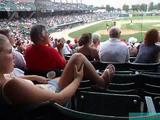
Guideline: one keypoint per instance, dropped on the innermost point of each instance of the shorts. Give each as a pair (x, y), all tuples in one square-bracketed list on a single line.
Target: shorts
[(53, 86)]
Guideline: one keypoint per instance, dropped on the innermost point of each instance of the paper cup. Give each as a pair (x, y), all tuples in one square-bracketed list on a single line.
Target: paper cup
[(51, 74)]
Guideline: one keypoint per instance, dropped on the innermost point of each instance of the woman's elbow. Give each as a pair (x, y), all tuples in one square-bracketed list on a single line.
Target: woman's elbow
[(61, 99)]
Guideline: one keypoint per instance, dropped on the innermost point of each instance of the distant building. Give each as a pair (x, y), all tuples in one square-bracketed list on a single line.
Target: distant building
[(43, 5)]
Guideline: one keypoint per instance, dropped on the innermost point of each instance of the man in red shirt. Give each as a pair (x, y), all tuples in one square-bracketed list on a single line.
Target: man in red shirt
[(41, 56)]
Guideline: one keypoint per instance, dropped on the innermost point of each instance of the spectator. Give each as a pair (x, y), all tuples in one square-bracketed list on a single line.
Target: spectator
[(96, 38), (54, 43), (75, 45), (69, 43), (132, 48), (114, 50), (19, 59), (66, 48), (14, 90), (41, 56), (149, 51), (85, 48)]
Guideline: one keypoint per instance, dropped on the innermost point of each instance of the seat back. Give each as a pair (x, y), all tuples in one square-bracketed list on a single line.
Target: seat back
[(123, 88), (151, 85), (100, 65), (125, 78), (122, 84), (85, 85), (157, 104), (77, 115), (143, 67), (107, 104)]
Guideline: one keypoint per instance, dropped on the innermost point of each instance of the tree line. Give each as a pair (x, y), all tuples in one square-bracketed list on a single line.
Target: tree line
[(138, 7)]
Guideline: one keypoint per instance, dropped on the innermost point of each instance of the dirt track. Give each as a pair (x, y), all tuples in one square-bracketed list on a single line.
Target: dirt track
[(65, 33)]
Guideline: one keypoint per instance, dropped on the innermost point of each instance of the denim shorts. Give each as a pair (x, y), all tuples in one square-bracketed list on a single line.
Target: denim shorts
[(53, 86)]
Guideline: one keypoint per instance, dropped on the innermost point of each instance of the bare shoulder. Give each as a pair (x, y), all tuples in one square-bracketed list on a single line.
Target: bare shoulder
[(16, 86), (19, 91)]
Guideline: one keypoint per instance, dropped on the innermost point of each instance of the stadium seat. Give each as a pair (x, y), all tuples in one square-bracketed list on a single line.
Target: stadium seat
[(125, 78), (85, 85), (157, 104), (152, 73), (151, 84), (77, 115), (37, 111), (108, 104), (151, 90), (102, 65), (124, 84), (144, 67), (123, 88)]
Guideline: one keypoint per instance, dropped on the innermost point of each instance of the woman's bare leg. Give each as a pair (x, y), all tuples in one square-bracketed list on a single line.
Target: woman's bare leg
[(89, 71)]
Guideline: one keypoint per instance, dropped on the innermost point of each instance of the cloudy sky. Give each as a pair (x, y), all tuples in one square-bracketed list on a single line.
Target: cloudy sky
[(115, 3)]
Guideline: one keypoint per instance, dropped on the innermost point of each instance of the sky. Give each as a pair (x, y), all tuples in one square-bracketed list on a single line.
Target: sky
[(114, 3)]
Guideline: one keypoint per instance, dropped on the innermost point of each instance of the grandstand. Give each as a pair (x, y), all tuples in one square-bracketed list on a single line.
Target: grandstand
[(134, 90)]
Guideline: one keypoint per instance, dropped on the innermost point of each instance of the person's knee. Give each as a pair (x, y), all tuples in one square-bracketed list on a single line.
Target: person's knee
[(77, 57)]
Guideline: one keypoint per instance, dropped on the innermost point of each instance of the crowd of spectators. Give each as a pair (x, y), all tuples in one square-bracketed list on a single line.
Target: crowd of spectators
[(21, 28)]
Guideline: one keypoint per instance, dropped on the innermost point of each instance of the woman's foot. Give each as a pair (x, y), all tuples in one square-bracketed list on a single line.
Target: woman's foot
[(108, 73)]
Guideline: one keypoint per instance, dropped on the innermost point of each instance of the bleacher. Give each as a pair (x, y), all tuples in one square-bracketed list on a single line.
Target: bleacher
[(132, 94)]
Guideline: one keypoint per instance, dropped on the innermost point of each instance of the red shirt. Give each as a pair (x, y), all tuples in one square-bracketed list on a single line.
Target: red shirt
[(43, 58)]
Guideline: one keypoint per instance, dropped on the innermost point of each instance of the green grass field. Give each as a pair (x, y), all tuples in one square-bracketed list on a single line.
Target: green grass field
[(140, 24)]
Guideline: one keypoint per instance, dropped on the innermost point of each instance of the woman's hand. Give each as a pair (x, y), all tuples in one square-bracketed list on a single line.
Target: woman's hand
[(41, 79), (78, 74)]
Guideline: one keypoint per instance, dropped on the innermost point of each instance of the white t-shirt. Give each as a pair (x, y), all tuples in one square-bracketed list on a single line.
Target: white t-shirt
[(67, 49)]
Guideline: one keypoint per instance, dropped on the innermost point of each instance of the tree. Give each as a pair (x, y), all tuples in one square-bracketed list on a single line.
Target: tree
[(112, 9), (158, 6), (143, 7), (135, 7), (119, 10), (125, 8), (108, 8), (151, 7)]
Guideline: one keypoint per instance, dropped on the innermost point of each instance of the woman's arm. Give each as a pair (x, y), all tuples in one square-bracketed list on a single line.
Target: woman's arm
[(37, 78), (20, 92)]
